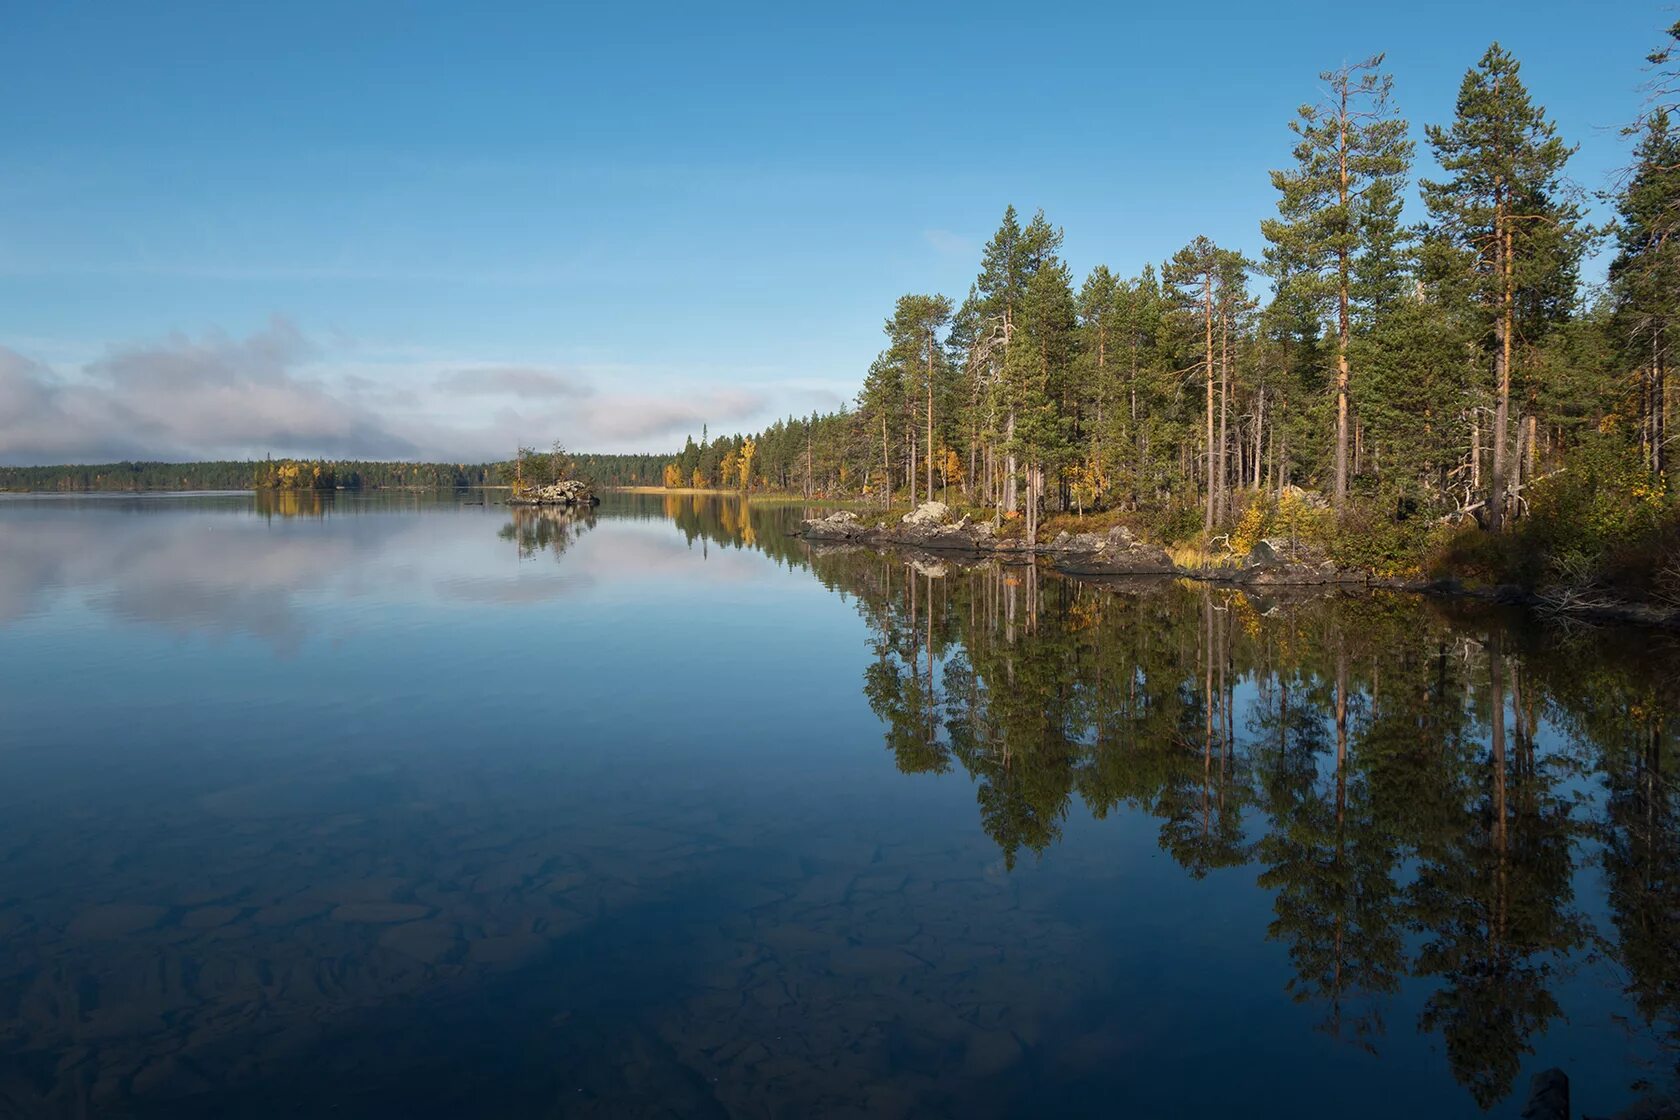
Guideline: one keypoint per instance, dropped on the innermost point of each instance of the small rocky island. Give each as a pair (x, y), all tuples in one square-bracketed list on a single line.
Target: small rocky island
[(567, 492)]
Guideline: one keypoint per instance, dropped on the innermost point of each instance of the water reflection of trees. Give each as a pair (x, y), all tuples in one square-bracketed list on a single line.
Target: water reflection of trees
[(1415, 791), (535, 529), (725, 521), (315, 504), (1416, 788)]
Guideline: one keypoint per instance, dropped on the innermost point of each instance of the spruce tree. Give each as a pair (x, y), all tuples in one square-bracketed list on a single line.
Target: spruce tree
[(1645, 276), (1007, 266), (882, 399)]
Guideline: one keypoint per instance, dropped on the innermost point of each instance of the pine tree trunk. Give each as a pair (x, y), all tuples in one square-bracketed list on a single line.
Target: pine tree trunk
[(930, 417), (1476, 448), (1224, 413), (1519, 455), (1502, 362), (1341, 481), (1533, 448), (1031, 510), (1207, 364), (1011, 500), (910, 461), (1659, 391), (1648, 408), (1342, 318), (886, 466)]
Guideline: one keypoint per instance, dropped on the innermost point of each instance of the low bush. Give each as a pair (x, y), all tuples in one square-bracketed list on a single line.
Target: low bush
[(1366, 539)]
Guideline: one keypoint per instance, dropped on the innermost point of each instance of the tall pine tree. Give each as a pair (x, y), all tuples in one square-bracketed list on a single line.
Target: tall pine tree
[(1504, 203), (1339, 231)]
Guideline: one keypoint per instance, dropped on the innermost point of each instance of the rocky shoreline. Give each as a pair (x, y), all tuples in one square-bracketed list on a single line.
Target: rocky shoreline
[(1114, 553), (1270, 563)]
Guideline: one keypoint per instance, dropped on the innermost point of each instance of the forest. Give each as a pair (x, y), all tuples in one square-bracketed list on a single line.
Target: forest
[(1450, 386), (314, 474)]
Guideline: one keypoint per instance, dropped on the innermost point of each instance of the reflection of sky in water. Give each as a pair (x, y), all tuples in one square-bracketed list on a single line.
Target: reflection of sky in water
[(377, 807), (201, 571)]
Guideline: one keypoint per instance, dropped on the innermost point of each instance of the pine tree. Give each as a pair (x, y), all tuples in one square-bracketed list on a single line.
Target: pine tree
[(882, 399), (915, 329), (1340, 204), (1234, 307), (1505, 204), (1196, 273)]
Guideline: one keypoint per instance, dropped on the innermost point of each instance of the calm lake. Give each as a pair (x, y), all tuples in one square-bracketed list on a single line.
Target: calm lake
[(413, 806)]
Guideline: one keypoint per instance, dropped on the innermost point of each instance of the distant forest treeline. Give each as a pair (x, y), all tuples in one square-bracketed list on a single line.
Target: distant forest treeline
[(311, 474)]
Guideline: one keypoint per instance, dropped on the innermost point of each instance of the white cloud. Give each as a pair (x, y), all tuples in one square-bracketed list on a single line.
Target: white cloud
[(281, 391), (213, 397)]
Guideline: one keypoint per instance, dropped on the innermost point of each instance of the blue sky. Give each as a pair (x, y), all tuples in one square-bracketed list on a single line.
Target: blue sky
[(430, 231)]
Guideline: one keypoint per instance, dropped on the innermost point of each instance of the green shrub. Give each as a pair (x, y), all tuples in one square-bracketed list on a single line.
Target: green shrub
[(1365, 539)]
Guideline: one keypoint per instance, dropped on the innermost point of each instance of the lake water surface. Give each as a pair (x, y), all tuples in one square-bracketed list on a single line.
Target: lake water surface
[(413, 806)]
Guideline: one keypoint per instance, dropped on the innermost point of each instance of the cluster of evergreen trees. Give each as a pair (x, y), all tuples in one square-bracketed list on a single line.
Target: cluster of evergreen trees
[(1412, 369), (533, 467)]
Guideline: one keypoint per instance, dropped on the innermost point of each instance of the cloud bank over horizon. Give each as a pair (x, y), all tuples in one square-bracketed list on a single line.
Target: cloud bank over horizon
[(284, 392)]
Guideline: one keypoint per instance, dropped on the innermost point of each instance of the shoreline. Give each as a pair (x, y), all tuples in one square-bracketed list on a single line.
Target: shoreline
[(1117, 555)]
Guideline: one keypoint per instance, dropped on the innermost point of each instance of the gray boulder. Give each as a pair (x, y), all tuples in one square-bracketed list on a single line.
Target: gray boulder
[(842, 525), (928, 515), (1115, 553), (568, 492)]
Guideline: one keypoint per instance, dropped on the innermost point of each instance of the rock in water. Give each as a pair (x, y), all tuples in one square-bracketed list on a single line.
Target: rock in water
[(839, 526), (1548, 1096), (571, 492), (1117, 553)]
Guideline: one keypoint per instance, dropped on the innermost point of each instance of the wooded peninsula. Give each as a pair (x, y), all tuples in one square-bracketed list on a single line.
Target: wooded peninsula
[(1459, 398)]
